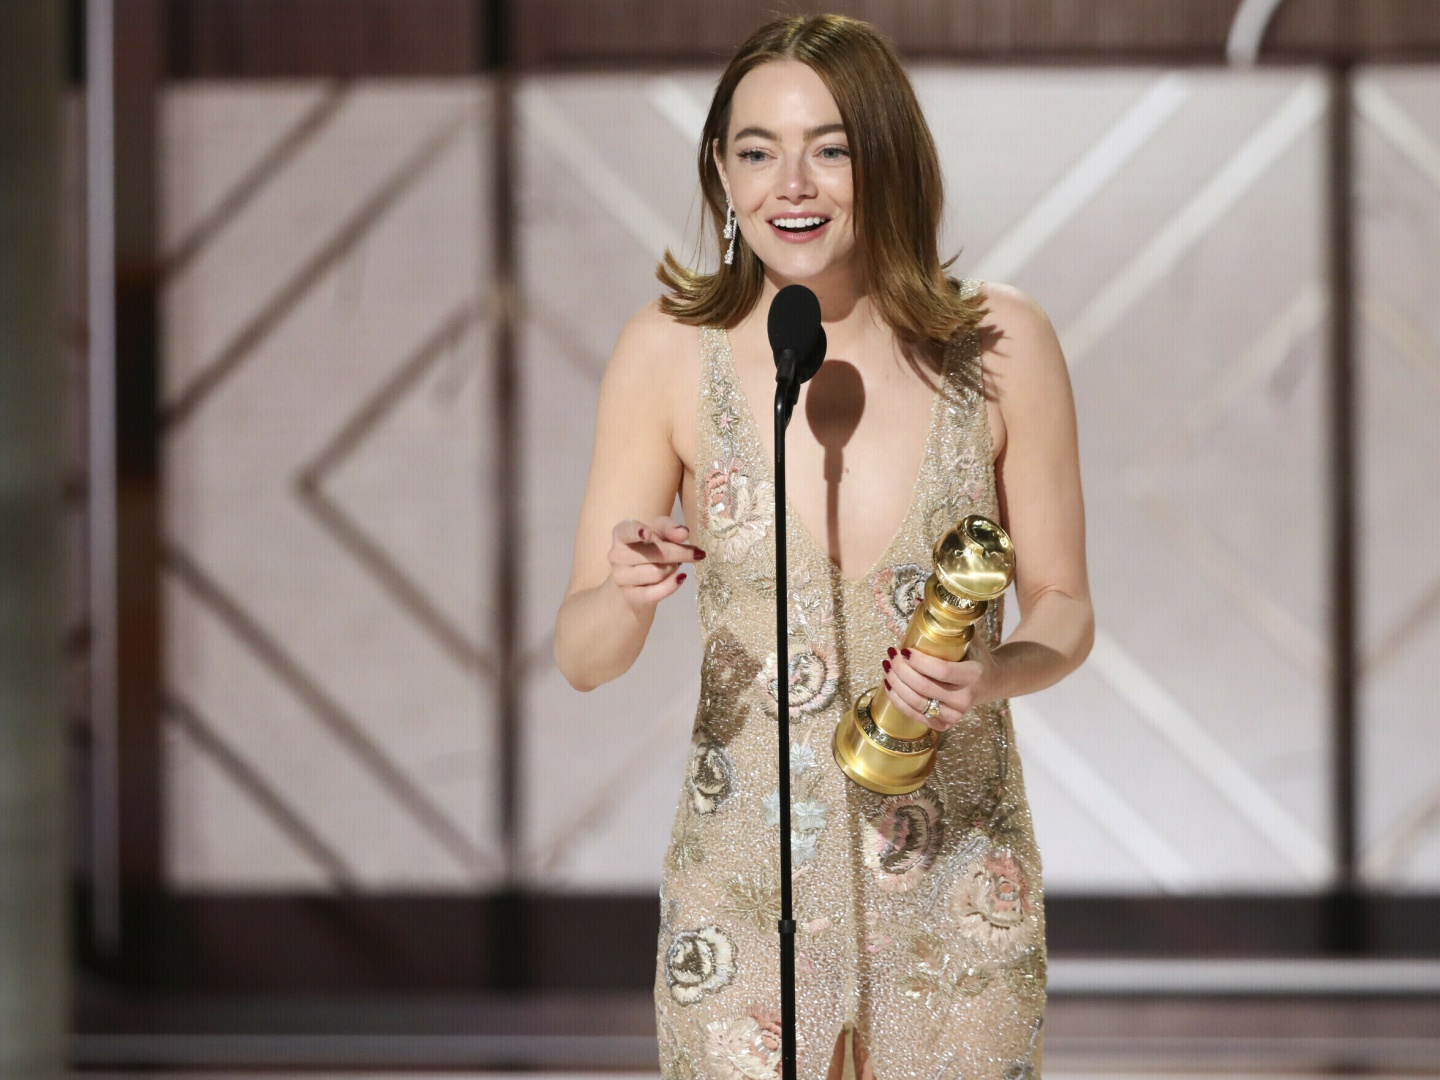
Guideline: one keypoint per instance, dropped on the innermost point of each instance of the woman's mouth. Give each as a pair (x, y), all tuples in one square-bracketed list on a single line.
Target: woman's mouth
[(798, 227)]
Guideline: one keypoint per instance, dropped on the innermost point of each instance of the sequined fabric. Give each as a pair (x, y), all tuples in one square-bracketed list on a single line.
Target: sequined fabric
[(921, 918)]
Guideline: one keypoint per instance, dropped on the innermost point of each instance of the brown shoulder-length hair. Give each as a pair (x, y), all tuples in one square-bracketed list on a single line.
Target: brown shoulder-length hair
[(899, 193)]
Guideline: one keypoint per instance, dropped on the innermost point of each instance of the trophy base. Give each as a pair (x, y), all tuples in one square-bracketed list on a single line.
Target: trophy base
[(859, 751)]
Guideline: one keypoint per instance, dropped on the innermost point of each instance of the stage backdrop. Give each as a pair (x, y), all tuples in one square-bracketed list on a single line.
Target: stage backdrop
[(330, 450)]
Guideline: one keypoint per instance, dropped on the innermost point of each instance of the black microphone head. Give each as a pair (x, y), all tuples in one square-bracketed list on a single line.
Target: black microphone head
[(794, 322)]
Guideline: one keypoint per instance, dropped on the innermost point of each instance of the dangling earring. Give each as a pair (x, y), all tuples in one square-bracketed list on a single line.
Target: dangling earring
[(730, 230)]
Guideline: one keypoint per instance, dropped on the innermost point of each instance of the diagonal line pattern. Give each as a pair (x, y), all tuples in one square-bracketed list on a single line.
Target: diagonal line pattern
[(620, 783), (1157, 706), (1388, 649), (1421, 353), (1106, 807), (670, 99), (1156, 259), (574, 351), (1388, 853), (310, 490), (246, 777), (326, 711), (1294, 637), (1106, 157), (289, 294), (1411, 342), (230, 207), (592, 172), (1388, 118)]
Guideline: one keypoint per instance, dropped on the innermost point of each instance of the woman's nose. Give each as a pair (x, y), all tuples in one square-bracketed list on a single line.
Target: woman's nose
[(796, 182)]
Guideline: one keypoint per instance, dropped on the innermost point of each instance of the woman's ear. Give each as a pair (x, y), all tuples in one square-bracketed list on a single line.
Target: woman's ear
[(719, 160)]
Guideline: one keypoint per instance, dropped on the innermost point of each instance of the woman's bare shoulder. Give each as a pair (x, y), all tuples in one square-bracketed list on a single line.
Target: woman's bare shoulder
[(1017, 336), (1012, 312), (653, 374), (652, 342)]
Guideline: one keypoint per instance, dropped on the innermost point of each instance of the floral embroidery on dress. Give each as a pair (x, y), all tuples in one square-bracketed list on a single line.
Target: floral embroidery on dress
[(992, 901), (686, 850), (914, 895), (898, 590), (968, 487), (699, 962), (709, 775), (754, 900), (737, 509), (808, 812), (902, 840), (811, 608), (727, 674), (1026, 976), (746, 1047), (814, 677), (936, 974)]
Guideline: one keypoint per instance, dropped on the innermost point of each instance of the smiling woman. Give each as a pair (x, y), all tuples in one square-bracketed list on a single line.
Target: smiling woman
[(921, 949), (868, 125)]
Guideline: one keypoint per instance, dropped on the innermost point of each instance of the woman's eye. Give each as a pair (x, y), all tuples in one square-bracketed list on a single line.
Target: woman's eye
[(835, 153), (751, 156)]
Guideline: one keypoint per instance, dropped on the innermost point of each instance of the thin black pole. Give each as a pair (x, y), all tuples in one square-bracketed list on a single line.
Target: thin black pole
[(1345, 930), (510, 938), (786, 925)]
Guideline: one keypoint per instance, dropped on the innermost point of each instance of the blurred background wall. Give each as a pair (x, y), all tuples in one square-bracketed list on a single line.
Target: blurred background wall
[(371, 258)]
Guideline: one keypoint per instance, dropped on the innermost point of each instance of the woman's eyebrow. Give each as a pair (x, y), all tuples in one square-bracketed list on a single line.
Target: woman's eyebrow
[(810, 133)]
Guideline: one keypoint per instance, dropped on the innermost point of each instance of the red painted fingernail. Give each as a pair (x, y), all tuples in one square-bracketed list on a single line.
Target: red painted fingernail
[(680, 579), (905, 653), (698, 554), (887, 684), (644, 535), (891, 651), (886, 665)]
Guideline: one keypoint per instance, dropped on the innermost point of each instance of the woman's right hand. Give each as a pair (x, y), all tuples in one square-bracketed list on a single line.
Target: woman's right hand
[(645, 559)]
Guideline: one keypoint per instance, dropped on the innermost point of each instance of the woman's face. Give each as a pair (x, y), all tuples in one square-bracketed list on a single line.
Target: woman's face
[(787, 169)]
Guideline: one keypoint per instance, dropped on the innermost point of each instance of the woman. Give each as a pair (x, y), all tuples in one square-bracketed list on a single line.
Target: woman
[(921, 924)]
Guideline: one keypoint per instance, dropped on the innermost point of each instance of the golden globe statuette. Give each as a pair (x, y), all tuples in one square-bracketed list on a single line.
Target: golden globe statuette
[(877, 745)]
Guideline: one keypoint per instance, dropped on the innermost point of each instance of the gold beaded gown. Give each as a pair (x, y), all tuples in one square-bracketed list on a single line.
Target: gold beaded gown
[(920, 916)]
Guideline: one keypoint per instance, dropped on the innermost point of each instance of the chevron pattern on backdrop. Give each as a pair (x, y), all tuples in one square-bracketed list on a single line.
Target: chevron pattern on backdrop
[(328, 461)]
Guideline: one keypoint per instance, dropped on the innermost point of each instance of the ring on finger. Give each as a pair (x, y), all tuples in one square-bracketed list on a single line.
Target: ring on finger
[(932, 709)]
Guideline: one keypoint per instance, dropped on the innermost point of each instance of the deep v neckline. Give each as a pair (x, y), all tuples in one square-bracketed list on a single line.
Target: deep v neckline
[(767, 464)]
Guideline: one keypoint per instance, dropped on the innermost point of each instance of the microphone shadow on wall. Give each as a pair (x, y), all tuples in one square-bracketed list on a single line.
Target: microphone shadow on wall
[(834, 403)]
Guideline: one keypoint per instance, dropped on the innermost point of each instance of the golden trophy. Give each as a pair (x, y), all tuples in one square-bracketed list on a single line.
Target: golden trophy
[(877, 745)]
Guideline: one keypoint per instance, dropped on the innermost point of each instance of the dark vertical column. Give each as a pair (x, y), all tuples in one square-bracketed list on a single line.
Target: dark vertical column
[(510, 928), (1345, 930), (104, 852), (33, 999), (139, 67)]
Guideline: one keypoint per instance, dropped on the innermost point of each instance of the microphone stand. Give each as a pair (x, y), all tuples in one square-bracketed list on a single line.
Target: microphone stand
[(786, 390)]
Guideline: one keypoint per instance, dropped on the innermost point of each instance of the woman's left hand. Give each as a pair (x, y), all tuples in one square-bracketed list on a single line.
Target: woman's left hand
[(915, 679)]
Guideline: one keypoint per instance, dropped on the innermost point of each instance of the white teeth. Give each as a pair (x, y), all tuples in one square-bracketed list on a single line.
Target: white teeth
[(798, 222)]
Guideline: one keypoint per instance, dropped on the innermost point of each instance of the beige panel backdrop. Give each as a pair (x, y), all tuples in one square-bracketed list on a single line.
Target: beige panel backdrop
[(1169, 223), (326, 373), (1170, 227), (1398, 186), (328, 564)]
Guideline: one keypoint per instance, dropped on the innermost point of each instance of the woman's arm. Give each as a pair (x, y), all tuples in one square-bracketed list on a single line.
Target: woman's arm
[(1037, 477), (1038, 480), (627, 550)]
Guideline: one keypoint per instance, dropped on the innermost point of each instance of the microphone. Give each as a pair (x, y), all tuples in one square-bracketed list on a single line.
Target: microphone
[(797, 339)]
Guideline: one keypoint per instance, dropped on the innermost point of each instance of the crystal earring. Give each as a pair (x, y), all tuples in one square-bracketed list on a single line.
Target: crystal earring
[(730, 230)]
